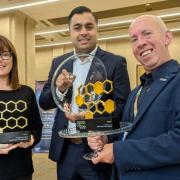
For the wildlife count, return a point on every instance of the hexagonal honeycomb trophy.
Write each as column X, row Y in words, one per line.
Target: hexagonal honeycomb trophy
column 12, row 122
column 88, row 89
column 98, row 113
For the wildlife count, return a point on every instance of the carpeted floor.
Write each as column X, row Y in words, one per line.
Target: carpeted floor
column 44, row 168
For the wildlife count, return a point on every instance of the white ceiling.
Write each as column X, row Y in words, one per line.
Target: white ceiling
column 52, row 16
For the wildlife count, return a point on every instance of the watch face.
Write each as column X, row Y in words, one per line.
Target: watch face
column 78, row 83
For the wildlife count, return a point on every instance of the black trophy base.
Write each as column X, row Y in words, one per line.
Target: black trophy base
column 14, row 137
column 95, row 124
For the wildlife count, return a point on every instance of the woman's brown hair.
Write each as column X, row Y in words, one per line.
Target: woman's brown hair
column 5, row 44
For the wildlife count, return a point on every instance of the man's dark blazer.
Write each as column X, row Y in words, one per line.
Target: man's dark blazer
column 151, row 150
column 116, row 71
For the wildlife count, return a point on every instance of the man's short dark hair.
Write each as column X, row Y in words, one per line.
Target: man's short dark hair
column 81, row 10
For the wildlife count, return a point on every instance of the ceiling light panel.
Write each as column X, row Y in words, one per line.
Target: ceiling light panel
column 23, row 5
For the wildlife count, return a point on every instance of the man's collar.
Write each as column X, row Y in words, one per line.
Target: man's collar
column 145, row 78
column 162, row 70
column 159, row 71
column 93, row 52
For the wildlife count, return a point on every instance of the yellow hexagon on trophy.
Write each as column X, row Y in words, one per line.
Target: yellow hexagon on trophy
column 100, row 107
column 109, row 106
column 2, row 106
column 3, row 124
column 11, row 106
column 82, row 89
column 21, row 122
column 108, row 83
column 79, row 100
column 98, row 87
column 87, row 98
column 1, row 130
column 89, row 88
column 11, row 123
column 21, row 106
column 88, row 115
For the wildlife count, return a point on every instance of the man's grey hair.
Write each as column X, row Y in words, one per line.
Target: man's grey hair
column 156, row 19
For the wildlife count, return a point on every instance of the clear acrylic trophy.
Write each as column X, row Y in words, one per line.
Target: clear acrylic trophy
column 95, row 112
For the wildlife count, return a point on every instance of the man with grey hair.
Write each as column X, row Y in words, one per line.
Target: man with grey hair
column 151, row 149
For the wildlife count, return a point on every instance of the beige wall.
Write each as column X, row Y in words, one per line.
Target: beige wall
column 122, row 47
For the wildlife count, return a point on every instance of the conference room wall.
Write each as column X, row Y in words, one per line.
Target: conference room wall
column 44, row 56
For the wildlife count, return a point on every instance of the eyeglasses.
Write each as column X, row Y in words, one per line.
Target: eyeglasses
column 5, row 55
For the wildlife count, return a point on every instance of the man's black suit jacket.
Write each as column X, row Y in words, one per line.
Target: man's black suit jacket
column 116, row 71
